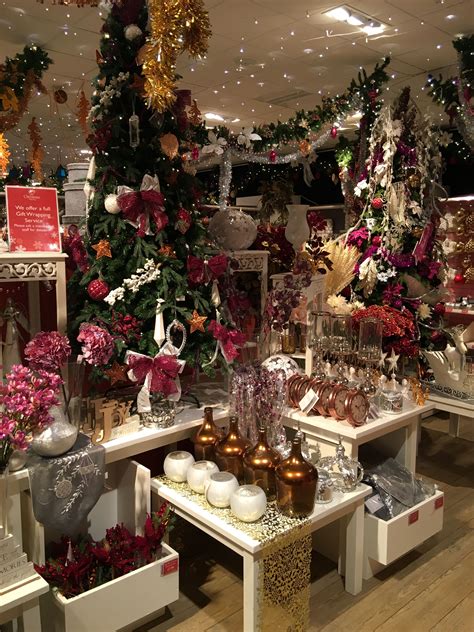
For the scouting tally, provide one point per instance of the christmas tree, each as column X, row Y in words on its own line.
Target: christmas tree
column 400, row 271
column 144, row 250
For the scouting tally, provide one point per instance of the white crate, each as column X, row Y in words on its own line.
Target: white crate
column 387, row 540
column 120, row 603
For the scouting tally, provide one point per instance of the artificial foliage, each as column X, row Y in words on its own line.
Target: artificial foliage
column 18, row 76
column 79, row 566
column 36, row 151
column 151, row 233
column 82, row 112
column 401, row 260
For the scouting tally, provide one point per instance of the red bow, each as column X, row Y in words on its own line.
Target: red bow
column 228, row 339
column 138, row 206
column 200, row 271
column 160, row 371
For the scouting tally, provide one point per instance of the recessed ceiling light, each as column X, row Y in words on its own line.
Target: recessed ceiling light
column 350, row 16
column 236, row 120
column 450, row 16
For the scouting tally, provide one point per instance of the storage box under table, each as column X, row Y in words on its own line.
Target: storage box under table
column 387, row 540
column 127, row 600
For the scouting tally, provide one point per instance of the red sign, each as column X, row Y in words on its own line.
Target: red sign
column 170, row 567
column 413, row 517
column 439, row 502
column 33, row 219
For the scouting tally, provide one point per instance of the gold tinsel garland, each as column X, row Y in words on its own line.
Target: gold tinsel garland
column 175, row 26
column 4, row 154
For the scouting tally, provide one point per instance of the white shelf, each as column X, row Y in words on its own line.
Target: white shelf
column 31, row 590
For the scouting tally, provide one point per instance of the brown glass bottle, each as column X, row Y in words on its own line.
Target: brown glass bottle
column 260, row 463
column 206, row 438
column 296, row 481
column 230, row 451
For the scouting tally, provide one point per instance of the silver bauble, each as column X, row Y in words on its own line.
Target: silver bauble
column 282, row 362
column 57, row 438
column 132, row 31
column 17, row 460
column 111, row 205
column 233, row 229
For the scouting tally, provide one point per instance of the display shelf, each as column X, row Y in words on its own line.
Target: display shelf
column 110, row 607
column 387, row 540
column 458, row 409
column 396, row 434
column 24, row 602
column 347, row 506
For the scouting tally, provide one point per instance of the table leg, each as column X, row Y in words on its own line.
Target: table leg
column 453, row 425
column 411, row 444
column 352, row 542
column 31, row 617
column 251, row 592
column 61, row 300
column 34, row 307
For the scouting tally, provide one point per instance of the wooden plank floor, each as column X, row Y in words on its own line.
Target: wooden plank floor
column 431, row 588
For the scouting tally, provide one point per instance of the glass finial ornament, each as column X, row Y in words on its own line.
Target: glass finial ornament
column 61, row 172
column 134, row 131
column 370, row 350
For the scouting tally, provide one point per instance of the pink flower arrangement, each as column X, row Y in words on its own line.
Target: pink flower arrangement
column 48, row 350
column 25, row 401
column 97, row 344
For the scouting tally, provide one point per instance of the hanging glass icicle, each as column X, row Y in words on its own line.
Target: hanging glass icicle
column 134, row 131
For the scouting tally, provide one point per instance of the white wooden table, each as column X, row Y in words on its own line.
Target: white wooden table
column 396, row 435
column 458, row 409
column 24, row 602
column 35, row 267
column 349, row 506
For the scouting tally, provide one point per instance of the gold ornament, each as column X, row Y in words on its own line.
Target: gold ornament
column 196, row 322
column 305, row 147
column 469, row 246
column 175, row 26
column 417, row 232
column 420, row 394
column 414, row 181
column 102, row 249
column 194, row 114
column 4, row 154
column 167, row 251
column 169, row 145
column 469, row 275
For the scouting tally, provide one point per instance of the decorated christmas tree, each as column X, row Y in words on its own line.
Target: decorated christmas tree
column 144, row 253
column 400, row 271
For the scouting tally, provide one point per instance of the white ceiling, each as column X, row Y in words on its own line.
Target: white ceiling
column 261, row 50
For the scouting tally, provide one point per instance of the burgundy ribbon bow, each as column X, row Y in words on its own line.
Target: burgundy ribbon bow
column 73, row 245
column 139, row 206
column 200, row 271
column 160, row 371
column 228, row 339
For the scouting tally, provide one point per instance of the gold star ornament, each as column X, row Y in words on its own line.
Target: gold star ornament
column 117, row 373
column 196, row 322
column 102, row 249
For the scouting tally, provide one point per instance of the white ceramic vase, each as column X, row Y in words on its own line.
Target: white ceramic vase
column 220, row 487
column 177, row 464
column 248, row 503
column 57, row 438
column 297, row 229
column 198, row 474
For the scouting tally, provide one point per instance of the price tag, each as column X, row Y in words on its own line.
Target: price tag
column 413, row 517
column 439, row 502
column 170, row 567
column 374, row 503
column 308, row 401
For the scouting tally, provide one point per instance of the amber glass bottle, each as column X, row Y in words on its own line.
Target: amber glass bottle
column 230, row 451
column 260, row 463
column 296, row 481
column 206, row 438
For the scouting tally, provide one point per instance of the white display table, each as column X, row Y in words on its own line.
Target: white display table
column 458, row 409
column 396, row 435
column 24, row 602
column 350, row 506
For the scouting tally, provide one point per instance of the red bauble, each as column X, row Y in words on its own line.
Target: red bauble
column 98, row 289
column 377, row 203
column 272, row 155
column 333, row 132
column 459, row 278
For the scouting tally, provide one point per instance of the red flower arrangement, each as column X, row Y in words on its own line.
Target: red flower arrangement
column 87, row 564
column 399, row 331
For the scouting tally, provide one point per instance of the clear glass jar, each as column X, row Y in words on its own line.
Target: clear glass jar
column 161, row 415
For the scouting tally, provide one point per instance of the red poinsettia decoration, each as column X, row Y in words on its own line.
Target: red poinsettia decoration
column 399, row 331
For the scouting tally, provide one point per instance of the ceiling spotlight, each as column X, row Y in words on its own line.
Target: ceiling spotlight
column 450, row 16
column 339, row 13
column 210, row 116
column 236, row 120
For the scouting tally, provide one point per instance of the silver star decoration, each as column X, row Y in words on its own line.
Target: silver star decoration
column 392, row 361
column 382, row 360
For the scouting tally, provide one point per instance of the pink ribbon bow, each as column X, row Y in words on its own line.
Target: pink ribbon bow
column 228, row 339
column 139, row 206
column 200, row 271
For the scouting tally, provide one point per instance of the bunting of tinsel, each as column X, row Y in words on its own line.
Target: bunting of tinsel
column 4, row 154
column 36, row 151
column 82, row 112
column 175, row 26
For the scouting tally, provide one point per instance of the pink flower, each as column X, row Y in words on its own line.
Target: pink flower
column 97, row 344
column 48, row 350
